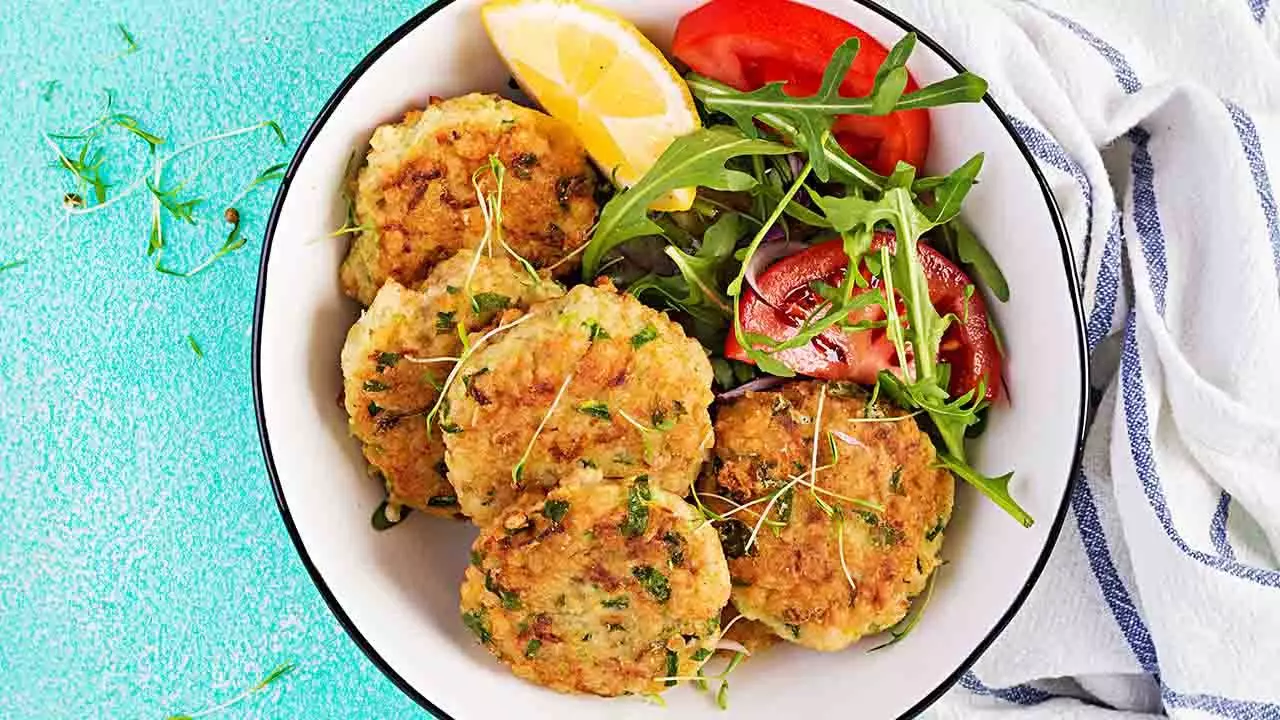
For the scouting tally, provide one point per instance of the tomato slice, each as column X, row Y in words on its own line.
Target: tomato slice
column 785, row 299
column 748, row 43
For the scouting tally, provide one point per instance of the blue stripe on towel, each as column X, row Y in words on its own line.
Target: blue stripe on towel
column 1225, row 707
column 1107, row 290
column 1146, row 215
column 1259, row 9
column 1017, row 694
column 1047, row 150
column 1261, row 180
column 1135, row 412
column 1218, row 528
column 1083, row 506
column 1117, row 596
column 1120, row 66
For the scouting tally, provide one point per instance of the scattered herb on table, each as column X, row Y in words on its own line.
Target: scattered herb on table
column 280, row 671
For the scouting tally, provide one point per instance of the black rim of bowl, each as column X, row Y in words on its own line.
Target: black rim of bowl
column 363, row 643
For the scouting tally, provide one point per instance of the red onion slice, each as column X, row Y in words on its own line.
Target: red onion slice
column 847, row 438
column 757, row 385
column 771, row 250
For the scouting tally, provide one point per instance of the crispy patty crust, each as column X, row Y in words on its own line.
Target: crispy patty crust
column 389, row 385
column 599, row 587
column 793, row 578
column 416, row 199
column 593, row 379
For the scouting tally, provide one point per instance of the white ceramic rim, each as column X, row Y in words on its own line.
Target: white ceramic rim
column 1068, row 262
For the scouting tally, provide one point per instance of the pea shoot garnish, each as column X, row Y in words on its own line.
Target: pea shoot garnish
column 440, row 409
column 130, row 45
column 279, row 672
column 82, row 154
column 48, row 88
column 517, row 472
column 914, row 613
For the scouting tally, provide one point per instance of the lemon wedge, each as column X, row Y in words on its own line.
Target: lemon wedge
column 595, row 71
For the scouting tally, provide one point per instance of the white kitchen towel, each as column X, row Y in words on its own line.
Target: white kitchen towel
column 1157, row 123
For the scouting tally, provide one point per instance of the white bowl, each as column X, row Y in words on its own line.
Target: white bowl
column 396, row 592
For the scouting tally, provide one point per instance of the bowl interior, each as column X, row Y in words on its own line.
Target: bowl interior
column 398, row 590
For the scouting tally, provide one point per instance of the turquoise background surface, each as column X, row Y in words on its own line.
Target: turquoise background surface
column 144, row 569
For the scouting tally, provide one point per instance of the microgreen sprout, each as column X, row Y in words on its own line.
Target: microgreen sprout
column 773, row 499
column 276, row 674
column 885, row 419
column 517, row 472
column 495, row 200
column 430, row 360
column 817, row 433
column 700, row 678
column 909, row 623
column 271, row 174
column 650, row 437
column 47, row 88
column 844, row 564
column 235, row 240
column 462, row 361
column 131, row 45
column 734, row 509
column 86, row 166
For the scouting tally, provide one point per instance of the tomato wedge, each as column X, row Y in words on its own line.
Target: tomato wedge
column 748, row 43
column 785, row 299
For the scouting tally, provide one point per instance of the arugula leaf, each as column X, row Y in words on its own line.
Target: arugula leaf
column 995, row 488
column 925, row 379
column 808, row 120
column 898, row 208
column 812, row 125
column 958, row 242
column 696, row 290
column 891, row 78
column 696, row 159
column 844, row 168
column 953, row 189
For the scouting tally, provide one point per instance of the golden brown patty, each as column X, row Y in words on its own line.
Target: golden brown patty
column 417, row 199
column 387, row 386
column 635, row 398
column 603, row 587
column 792, row 580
